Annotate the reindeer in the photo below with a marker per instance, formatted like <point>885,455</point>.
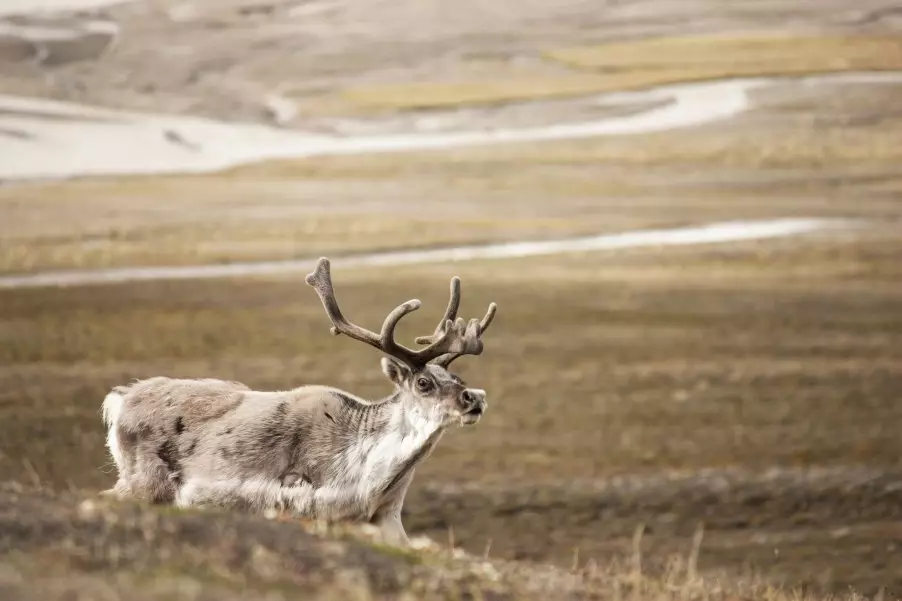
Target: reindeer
<point>314,451</point>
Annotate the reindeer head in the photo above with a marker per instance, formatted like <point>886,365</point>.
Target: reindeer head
<point>421,375</point>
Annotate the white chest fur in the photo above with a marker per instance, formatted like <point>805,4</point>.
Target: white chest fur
<point>366,467</point>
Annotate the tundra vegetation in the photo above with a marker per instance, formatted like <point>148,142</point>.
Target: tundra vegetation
<point>708,422</point>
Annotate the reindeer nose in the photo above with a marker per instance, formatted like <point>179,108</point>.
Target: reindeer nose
<point>473,396</point>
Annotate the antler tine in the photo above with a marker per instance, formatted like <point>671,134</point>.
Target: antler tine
<point>321,281</point>
<point>450,313</point>
<point>452,337</point>
<point>489,316</point>
<point>474,333</point>
<point>451,332</point>
<point>387,335</point>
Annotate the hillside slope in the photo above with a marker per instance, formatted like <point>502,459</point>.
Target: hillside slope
<point>56,546</point>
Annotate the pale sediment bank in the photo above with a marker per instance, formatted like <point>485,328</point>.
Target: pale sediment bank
<point>59,140</point>
<point>721,232</point>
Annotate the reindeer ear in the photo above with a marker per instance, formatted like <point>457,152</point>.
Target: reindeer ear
<point>396,371</point>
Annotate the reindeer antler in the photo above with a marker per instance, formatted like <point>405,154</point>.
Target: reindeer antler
<point>470,332</point>
<point>451,339</point>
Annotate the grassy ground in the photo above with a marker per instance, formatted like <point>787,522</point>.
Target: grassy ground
<point>739,54</point>
<point>809,151</point>
<point>650,366</point>
<point>61,546</point>
<point>637,399</point>
<point>644,63</point>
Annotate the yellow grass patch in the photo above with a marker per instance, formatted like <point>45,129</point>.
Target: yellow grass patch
<point>644,63</point>
<point>701,57</point>
<point>416,95</point>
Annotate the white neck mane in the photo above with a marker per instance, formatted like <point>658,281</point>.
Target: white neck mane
<point>374,459</point>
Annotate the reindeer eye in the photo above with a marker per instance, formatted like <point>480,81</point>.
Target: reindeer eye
<point>424,384</point>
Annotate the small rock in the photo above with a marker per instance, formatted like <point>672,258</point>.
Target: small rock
<point>423,543</point>
<point>88,509</point>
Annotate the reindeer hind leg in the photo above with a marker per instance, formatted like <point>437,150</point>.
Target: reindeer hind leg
<point>120,444</point>
<point>155,476</point>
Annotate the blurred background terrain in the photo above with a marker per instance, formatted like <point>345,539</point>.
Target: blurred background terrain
<point>751,388</point>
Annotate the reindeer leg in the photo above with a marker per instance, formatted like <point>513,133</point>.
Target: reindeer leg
<point>392,531</point>
<point>388,515</point>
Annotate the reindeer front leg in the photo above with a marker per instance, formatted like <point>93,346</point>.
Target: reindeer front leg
<point>388,515</point>
<point>391,528</point>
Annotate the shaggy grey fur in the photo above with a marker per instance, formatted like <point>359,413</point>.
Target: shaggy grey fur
<point>314,451</point>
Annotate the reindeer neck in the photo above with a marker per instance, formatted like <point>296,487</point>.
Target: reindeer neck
<point>391,436</point>
<point>399,416</point>
<point>411,435</point>
<point>366,419</point>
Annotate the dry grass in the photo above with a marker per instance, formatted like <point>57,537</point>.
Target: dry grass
<point>821,127</point>
<point>736,54</point>
<point>645,63</point>
<point>645,363</point>
<point>60,545</point>
<point>496,89</point>
<point>752,389</point>
<point>180,220</point>
<point>814,151</point>
<point>810,146</point>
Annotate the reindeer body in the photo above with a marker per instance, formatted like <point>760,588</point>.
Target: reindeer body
<point>314,451</point>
